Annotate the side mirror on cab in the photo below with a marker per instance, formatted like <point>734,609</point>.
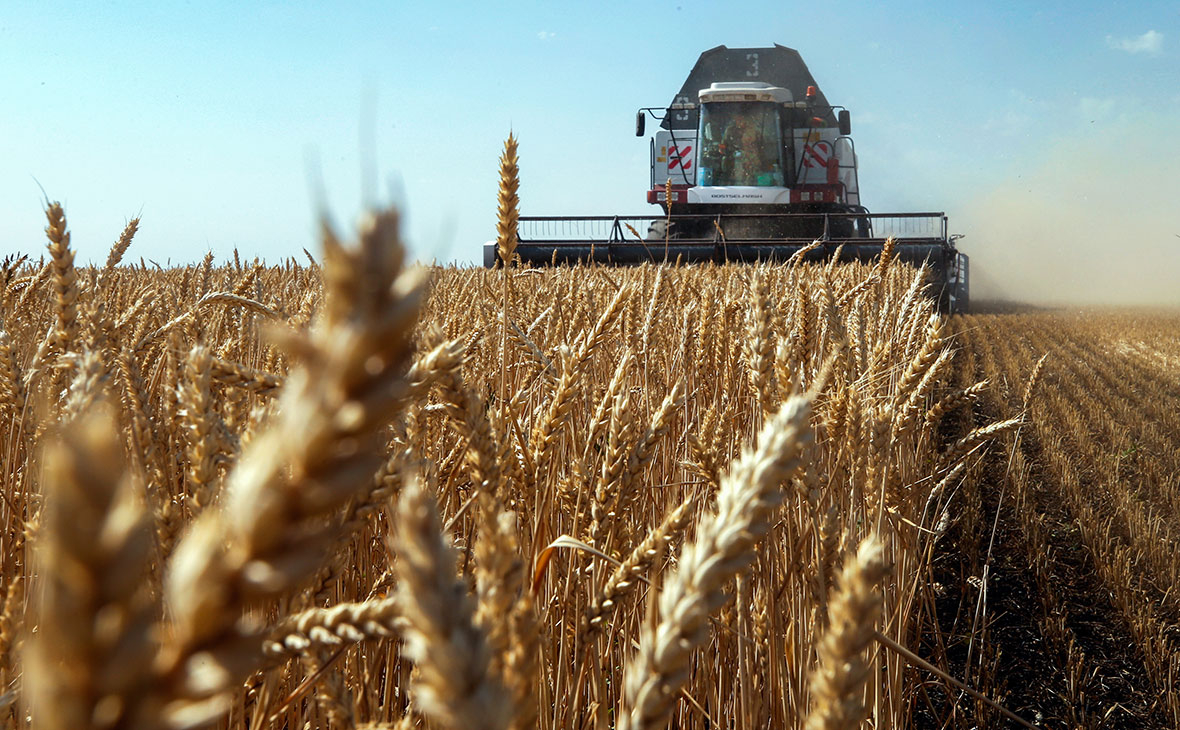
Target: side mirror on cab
<point>845,121</point>
<point>640,123</point>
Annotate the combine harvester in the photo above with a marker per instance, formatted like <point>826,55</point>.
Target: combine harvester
<point>758,165</point>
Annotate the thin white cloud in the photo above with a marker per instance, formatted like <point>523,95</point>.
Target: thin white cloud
<point>546,35</point>
<point>1151,42</point>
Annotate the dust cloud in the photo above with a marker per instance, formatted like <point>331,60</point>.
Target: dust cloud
<point>1095,221</point>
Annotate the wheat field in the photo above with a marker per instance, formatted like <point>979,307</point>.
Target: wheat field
<point>357,493</point>
<point>354,493</point>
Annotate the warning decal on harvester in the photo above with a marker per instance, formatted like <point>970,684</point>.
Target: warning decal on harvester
<point>816,156</point>
<point>679,157</point>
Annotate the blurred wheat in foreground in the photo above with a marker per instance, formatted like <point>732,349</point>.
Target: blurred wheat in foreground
<point>351,494</point>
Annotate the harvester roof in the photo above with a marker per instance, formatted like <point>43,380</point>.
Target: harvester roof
<point>777,66</point>
<point>742,91</point>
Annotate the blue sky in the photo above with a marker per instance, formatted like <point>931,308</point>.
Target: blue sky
<point>230,124</point>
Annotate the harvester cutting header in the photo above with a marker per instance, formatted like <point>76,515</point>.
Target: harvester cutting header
<point>758,165</point>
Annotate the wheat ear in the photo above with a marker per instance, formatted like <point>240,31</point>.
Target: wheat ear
<point>507,219</point>
<point>758,346</point>
<point>624,493</point>
<point>272,529</point>
<point>344,623</point>
<point>925,357</point>
<point>439,363</point>
<point>237,375</point>
<point>951,402</point>
<point>1033,380</point>
<point>508,202</point>
<point>65,279</point>
<point>12,389</point>
<point>976,437</point>
<point>453,686</point>
<point>198,421</point>
<point>837,686</point>
<point>28,286</point>
<point>724,546</point>
<point>620,582</point>
<point>117,250</point>
<point>92,650</point>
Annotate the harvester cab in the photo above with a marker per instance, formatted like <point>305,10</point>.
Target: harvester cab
<point>750,163</point>
<point>755,150</point>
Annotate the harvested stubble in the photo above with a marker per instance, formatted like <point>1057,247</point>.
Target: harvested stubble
<point>307,475</point>
<point>1094,479</point>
